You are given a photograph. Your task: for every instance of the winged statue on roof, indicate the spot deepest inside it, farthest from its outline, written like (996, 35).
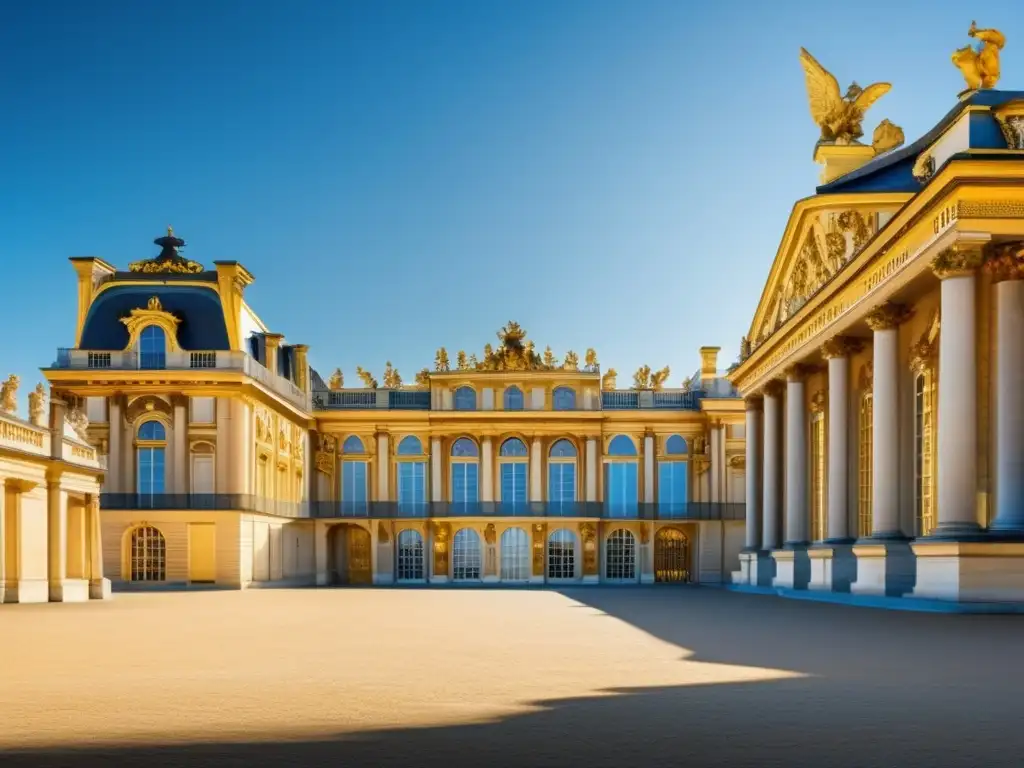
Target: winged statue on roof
(839, 116)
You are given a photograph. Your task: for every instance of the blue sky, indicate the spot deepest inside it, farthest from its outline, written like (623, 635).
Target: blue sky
(404, 175)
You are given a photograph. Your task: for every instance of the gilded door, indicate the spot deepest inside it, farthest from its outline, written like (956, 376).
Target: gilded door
(360, 564)
(671, 556)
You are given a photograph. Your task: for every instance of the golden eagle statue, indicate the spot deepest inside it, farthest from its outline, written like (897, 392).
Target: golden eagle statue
(838, 116)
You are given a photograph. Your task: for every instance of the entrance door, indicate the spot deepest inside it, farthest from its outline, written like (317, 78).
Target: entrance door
(202, 553)
(360, 563)
(671, 556)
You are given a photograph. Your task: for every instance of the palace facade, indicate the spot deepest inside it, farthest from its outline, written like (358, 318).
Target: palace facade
(883, 374)
(231, 461)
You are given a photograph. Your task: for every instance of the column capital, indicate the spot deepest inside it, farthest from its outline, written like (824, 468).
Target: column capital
(754, 402)
(841, 346)
(774, 388)
(961, 258)
(888, 316)
(797, 371)
(818, 401)
(1005, 261)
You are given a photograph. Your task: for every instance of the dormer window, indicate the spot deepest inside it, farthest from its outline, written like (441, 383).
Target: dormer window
(152, 348)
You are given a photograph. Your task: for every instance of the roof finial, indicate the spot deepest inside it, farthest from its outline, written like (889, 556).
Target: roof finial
(170, 231)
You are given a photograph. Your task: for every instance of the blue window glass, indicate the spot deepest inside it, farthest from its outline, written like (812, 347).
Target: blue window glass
(513, 447)
(152, 430)
(464, 448)
(621, 491)
(152, 347)
(562, 482)
(672, 494)
(621, 445)
(150, 473)
(513, 399)
(353, 487)
(412, 487)
(410, 446)
(465, 399)
(563, 399)
(465, 476)
(675, 446)
(563, 449)
(353, 444)
(513, 484)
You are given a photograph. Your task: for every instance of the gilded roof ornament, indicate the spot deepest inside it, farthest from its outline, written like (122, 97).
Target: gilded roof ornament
(645, 378)
(608, 380)
(441, 363)
(168, 260)
(839, 116)
(392, 379)
(9, 395)
(423, 378)
(366, 377)
(337, 380)
(980, 67)
(887, 136)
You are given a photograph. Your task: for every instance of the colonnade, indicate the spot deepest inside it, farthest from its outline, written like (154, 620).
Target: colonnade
(780, 551)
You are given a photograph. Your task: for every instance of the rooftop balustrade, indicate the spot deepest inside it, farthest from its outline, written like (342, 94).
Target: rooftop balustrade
(689, 511)
(420, 400)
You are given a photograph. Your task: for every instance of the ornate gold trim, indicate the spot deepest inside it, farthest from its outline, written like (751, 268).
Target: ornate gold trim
(959, 259)
(1005, 261)
(153, 314)
(753, 402)
(818, 401)
(888, 316)
(841, 346)
(774, 388)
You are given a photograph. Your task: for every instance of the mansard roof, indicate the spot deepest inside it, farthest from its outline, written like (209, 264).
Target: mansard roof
(892, 170)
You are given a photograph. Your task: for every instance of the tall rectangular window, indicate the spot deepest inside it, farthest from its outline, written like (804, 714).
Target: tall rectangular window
(513, 484)
(561, 482)
(465, 482)
(412, 487)
(621, 490)
(672, 490)
(353, 487)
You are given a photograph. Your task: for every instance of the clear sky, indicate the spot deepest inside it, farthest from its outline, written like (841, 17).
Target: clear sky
(404, 175)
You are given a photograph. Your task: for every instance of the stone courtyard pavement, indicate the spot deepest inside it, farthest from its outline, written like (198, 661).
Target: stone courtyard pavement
(489, 677)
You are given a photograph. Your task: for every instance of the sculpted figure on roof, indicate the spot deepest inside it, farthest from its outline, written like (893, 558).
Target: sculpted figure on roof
(980, 67)
(838, 116)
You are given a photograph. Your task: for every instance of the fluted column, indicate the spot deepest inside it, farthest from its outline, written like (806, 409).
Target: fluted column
(591, 469)
(383, 466)
(715, 479)
(957, 418)
(1006, 265)
(796, 458)
(486, 470)
(885, 489)
(436, 469)
(772, 485)
(837, 351)
(57, 538)
(536, 478)
(754, 408)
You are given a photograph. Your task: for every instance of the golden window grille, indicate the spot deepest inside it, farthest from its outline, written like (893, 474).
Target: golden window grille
(818, 485)
(924, 424)
(865, 457)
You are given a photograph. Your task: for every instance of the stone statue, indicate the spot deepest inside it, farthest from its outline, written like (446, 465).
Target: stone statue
(441, 361)
(392, 379)
(9, 395)
(367, 378)
(571, 362)
(887, 136)
(37, 405)
(980, 68)
(838, 116)
(608, 380)
(590, 359)
(79, 422)
(337, 380)
(658, 378)
(423, 379)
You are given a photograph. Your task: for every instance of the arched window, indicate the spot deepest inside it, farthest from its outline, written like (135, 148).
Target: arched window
(412, 478)
(513, 460)
(621, 484)
(620, 556)
(353, 444)
(466, 555)
(465, 473)
(562, 473)
(513, 399)
(151, 450)
(147, 556)
(673, 473)
(563, 399)
(562, 554)
(410, 555)
(152, 347)
(515, 555)
(465, 399)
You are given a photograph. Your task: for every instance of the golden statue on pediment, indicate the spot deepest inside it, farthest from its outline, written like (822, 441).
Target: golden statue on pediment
(838, 116)
(980, 67)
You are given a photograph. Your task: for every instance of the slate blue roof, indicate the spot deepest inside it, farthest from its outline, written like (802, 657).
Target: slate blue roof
(199, 310)
(891, 171)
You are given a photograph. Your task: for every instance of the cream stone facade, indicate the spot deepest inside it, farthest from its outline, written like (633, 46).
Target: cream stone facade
(882, 371)
(230, 461)
(50, 548)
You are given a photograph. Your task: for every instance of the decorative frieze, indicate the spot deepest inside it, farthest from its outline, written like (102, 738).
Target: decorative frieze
(841, 346)
(888, 316)
(958, 259)
(1005, 261)
(1010, 117)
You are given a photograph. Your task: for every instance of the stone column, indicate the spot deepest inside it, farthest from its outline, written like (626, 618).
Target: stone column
(114, 449)
(239, 450)
(885, 489)
(383, 466)
(3, 539)
(486, 469)
(1006, 265)
(99, 586)
(57, 539)
(591, 469)
(536, 478)
(837, 351)
(796, 458)
(649, 468)
(179, 436)
(772, 483)
(716, 466)
(957, 415)
(754, 407)
(436, 470)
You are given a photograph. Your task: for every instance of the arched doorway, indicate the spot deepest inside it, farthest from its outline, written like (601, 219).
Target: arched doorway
(147, 555)
(350, 559)
(466, 556)
(410, 556)
(620, 556)
(515, 555)
(671, 556)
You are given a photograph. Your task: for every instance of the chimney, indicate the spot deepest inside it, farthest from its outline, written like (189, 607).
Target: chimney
(232, 279)
(273, 346)
(708, 364)
(301, 366)
(91, 271)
